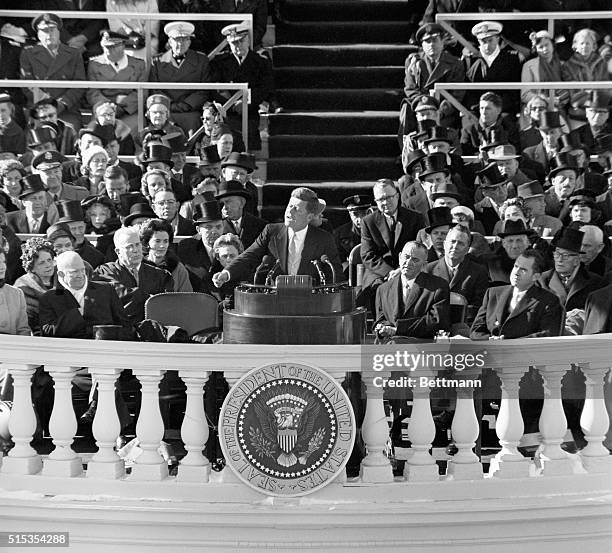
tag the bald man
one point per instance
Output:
(595, 255)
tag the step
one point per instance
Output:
(290, 145)
(340, 98)
(340, 77)
(334, 32)
(301, 10)
(339, 168)
(340, 54)
(333, 122)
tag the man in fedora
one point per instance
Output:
(493, 187)
(563, 177)
(52, 60)
(432, 236)
(508, 163)
(197, 253)
(423, 69)
(133, 280)
(515, 240)
(238, 166)
(243, 65)
(534, 205)
(49, 166)
(182, 64)
(71, 212)
(521, 309)
(233, 198)
(115, 65)
(33, 218)
(551, 129)
(294, 244)
(348, 235)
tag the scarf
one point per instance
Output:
(32, 281)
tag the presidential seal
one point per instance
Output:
(287, 429)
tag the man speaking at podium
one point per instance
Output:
(294, 244)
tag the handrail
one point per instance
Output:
(242, 92)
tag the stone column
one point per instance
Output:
(509, 463)
(194, 467)
(62, 461)
(22, 459)
(553, 424)
(375, 466)
(106, 428)
(595, 421)
(149, 465)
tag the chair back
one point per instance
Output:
(193, 311)
(355, 266)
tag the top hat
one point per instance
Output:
(549, 120)
(445, 190)
(485, 29)
(429, 30)
(438, 134)
(44, 102)
(358, 202)
(240, 159)
(571, 141)
(235, 31)
(158, 152)
(40, 135)
(434, 163)
(438, 217)
(425, 103)
(47, 160)
(530, 189)
(562, 161)
(176, 142)
(207, 212)
(413, 158)
(569, 239)
(126, 201)
(423, 126)
(106, 133)
(510, 228)
(604, 143)
(231, 188)
(69, 211)
(497, 137)
(46, 20)
(112, 38)
(178, 29)
(598, 101)
(57, 230)
(209, 155)
(503, 152)
(138, 210)
(30, 184)
(490, 176)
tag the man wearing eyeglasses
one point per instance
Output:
(45, 112)
(166, 207)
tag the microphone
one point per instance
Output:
(316, 263)
(265, 264)
(270, 276)
(326, 260)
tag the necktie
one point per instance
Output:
(135, 275)
(236, 226)
(179, 59)
(406, 292)
(293, 263)
(565, 279)
(35, 226)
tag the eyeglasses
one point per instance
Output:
(564, 256)
(382, 199)
(165, 202)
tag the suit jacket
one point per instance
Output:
(538, 314)
(379, 250)
(541, 165)
(70, 192)
(100, 69)
(274, 241)
(60, 316)
(415, 198)
(151, 281)
(17, 221)
(259, 9)
(194, 68)
(194, 256)
(473, 135)
(426, 311)
(598, 310)
(37, 63)
(250, 228)
(470, 279)
(582, 285)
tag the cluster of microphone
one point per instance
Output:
(271, 268)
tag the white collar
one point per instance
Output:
(121, 64)
(491, 57)
(300, 235)
(79, 295)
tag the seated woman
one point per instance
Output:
(95, 162)
(105, 113)
(100, 216)
(156, 235)
(212, 129)
(11, 173)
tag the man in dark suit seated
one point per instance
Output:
(33, 218)
(166, 207)
(294, 244)
(515, 240)
(133, 280)
(233, 197)
(412, 303)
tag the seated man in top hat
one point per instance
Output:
(33, 218)
(515, 240)
(114, 65)
(233, 198)
(133, 280)
(71, 212)
(294, 244)
(49, 166)
(493, 187)
(432, 236)
(182, 64)
(238, 166)
(534, 206)
(412, 303)
(563, 178)
(52, 60)
(348, 235)
(521, 309)
(551, 130)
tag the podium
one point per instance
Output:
(294, 312)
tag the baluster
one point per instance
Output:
(509, 463)
(106, 428)
(420, 465)
(375, 466)
(194, 467)
(149, 465)
(553, 424)
(62, 461)
(594, 421)
(22, 458)
(465, 464)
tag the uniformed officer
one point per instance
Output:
(348, 236)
